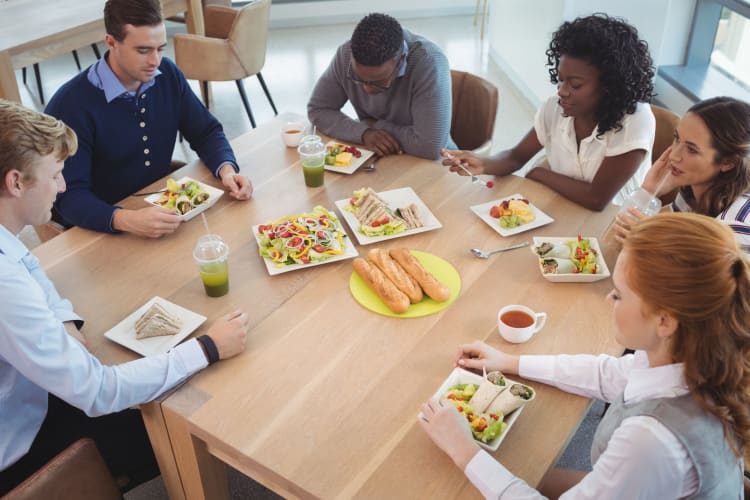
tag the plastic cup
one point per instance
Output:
(518, 324)
(639, 199)
(211, 254)
(312, 152)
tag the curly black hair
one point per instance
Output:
(626, 70)
(376, 39)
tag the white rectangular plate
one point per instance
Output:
(395, 198)
(461, 376)
(124, 332)
(356, 162)
(483, 212)
(572, 277)
(349, 253)
(213, 196)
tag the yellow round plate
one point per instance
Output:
(441, 269)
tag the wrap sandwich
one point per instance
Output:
(515, 397)
(492, 385)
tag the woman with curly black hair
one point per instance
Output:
(598, 129)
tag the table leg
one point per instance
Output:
(8, 84)
(156, 428)
(204, 477)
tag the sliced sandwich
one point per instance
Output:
(155, 322)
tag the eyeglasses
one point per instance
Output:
(379, 85)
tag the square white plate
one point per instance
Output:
(124, 332)
(213, 196)
(395, 198)
(573, 277)
(356, 162)
(461, 376)
(349, 253)
(483, 211)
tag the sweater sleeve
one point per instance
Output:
(78, 205)
(430, 107)
(201, 129)
(329, 96)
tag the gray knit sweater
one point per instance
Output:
(416, 109)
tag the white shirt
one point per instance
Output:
(643, 458)
(38, 356)
(736, 216)
(557, 134)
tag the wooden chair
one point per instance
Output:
(474, 110)
(234, 48)
(666, 123)
(77, 472)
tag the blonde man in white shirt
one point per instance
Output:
(598, 130)
(51, 387)
(680, 415)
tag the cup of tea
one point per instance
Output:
(292, 132)
(211, 254)
(517, 323)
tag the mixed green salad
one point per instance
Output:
(484, 426)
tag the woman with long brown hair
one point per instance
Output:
(709, 162)
(679, 423)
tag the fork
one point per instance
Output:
(474, 178)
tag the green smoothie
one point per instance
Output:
(215, 276)
(314, 171)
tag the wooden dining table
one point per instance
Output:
(323, 402)
(36, 30)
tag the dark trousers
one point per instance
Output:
(121, 438)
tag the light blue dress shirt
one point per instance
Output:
(37, 357)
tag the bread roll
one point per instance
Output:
(431, 286)
(395, 299)
(396, 274)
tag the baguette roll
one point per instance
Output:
(393, 270)
(431, 286)
(395, 299)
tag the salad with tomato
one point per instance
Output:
(301, 239)
(583, 255)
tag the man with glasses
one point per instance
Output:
(399, 85)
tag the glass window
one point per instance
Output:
(731, 52)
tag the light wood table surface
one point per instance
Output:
(324, 401)
(35, 30)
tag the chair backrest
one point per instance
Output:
(474, 110)
(249, 34)
(666, 123)
(77, 472)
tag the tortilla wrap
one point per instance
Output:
(492, 385)
(512, 399)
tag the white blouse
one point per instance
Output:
(643, 458)
(557, 134)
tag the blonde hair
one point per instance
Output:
(690, 267)
(26, 135)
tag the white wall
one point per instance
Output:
(338, 11)
(520, 31)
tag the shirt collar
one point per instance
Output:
(11, 246)
(101, 76)
(646, 383)
(402, 70)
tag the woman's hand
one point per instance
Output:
(469, 160)
(478, 355)
(449, 430)
(656, 174)
(624, 221)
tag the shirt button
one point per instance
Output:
(143, 124)
(143, 96)
(145, 138)
(147, 163)
(146, 151)
(143, 110)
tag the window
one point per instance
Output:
(718, 54)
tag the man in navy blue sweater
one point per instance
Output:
(126, 110)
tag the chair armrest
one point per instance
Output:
(218, 20)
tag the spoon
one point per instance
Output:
(484, 255)
(370, 167)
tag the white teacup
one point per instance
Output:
(292, 132)
(518, 323)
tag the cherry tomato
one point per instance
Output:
(263, 228)
(305, 259)
(385, 220)
(295, 242)
(490, 184)
(495, 212)
(322, 235)
(375, 224)
(319, 248)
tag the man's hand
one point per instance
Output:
(238, 186)
(229, 334)
(150, 222)
(381, 141)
